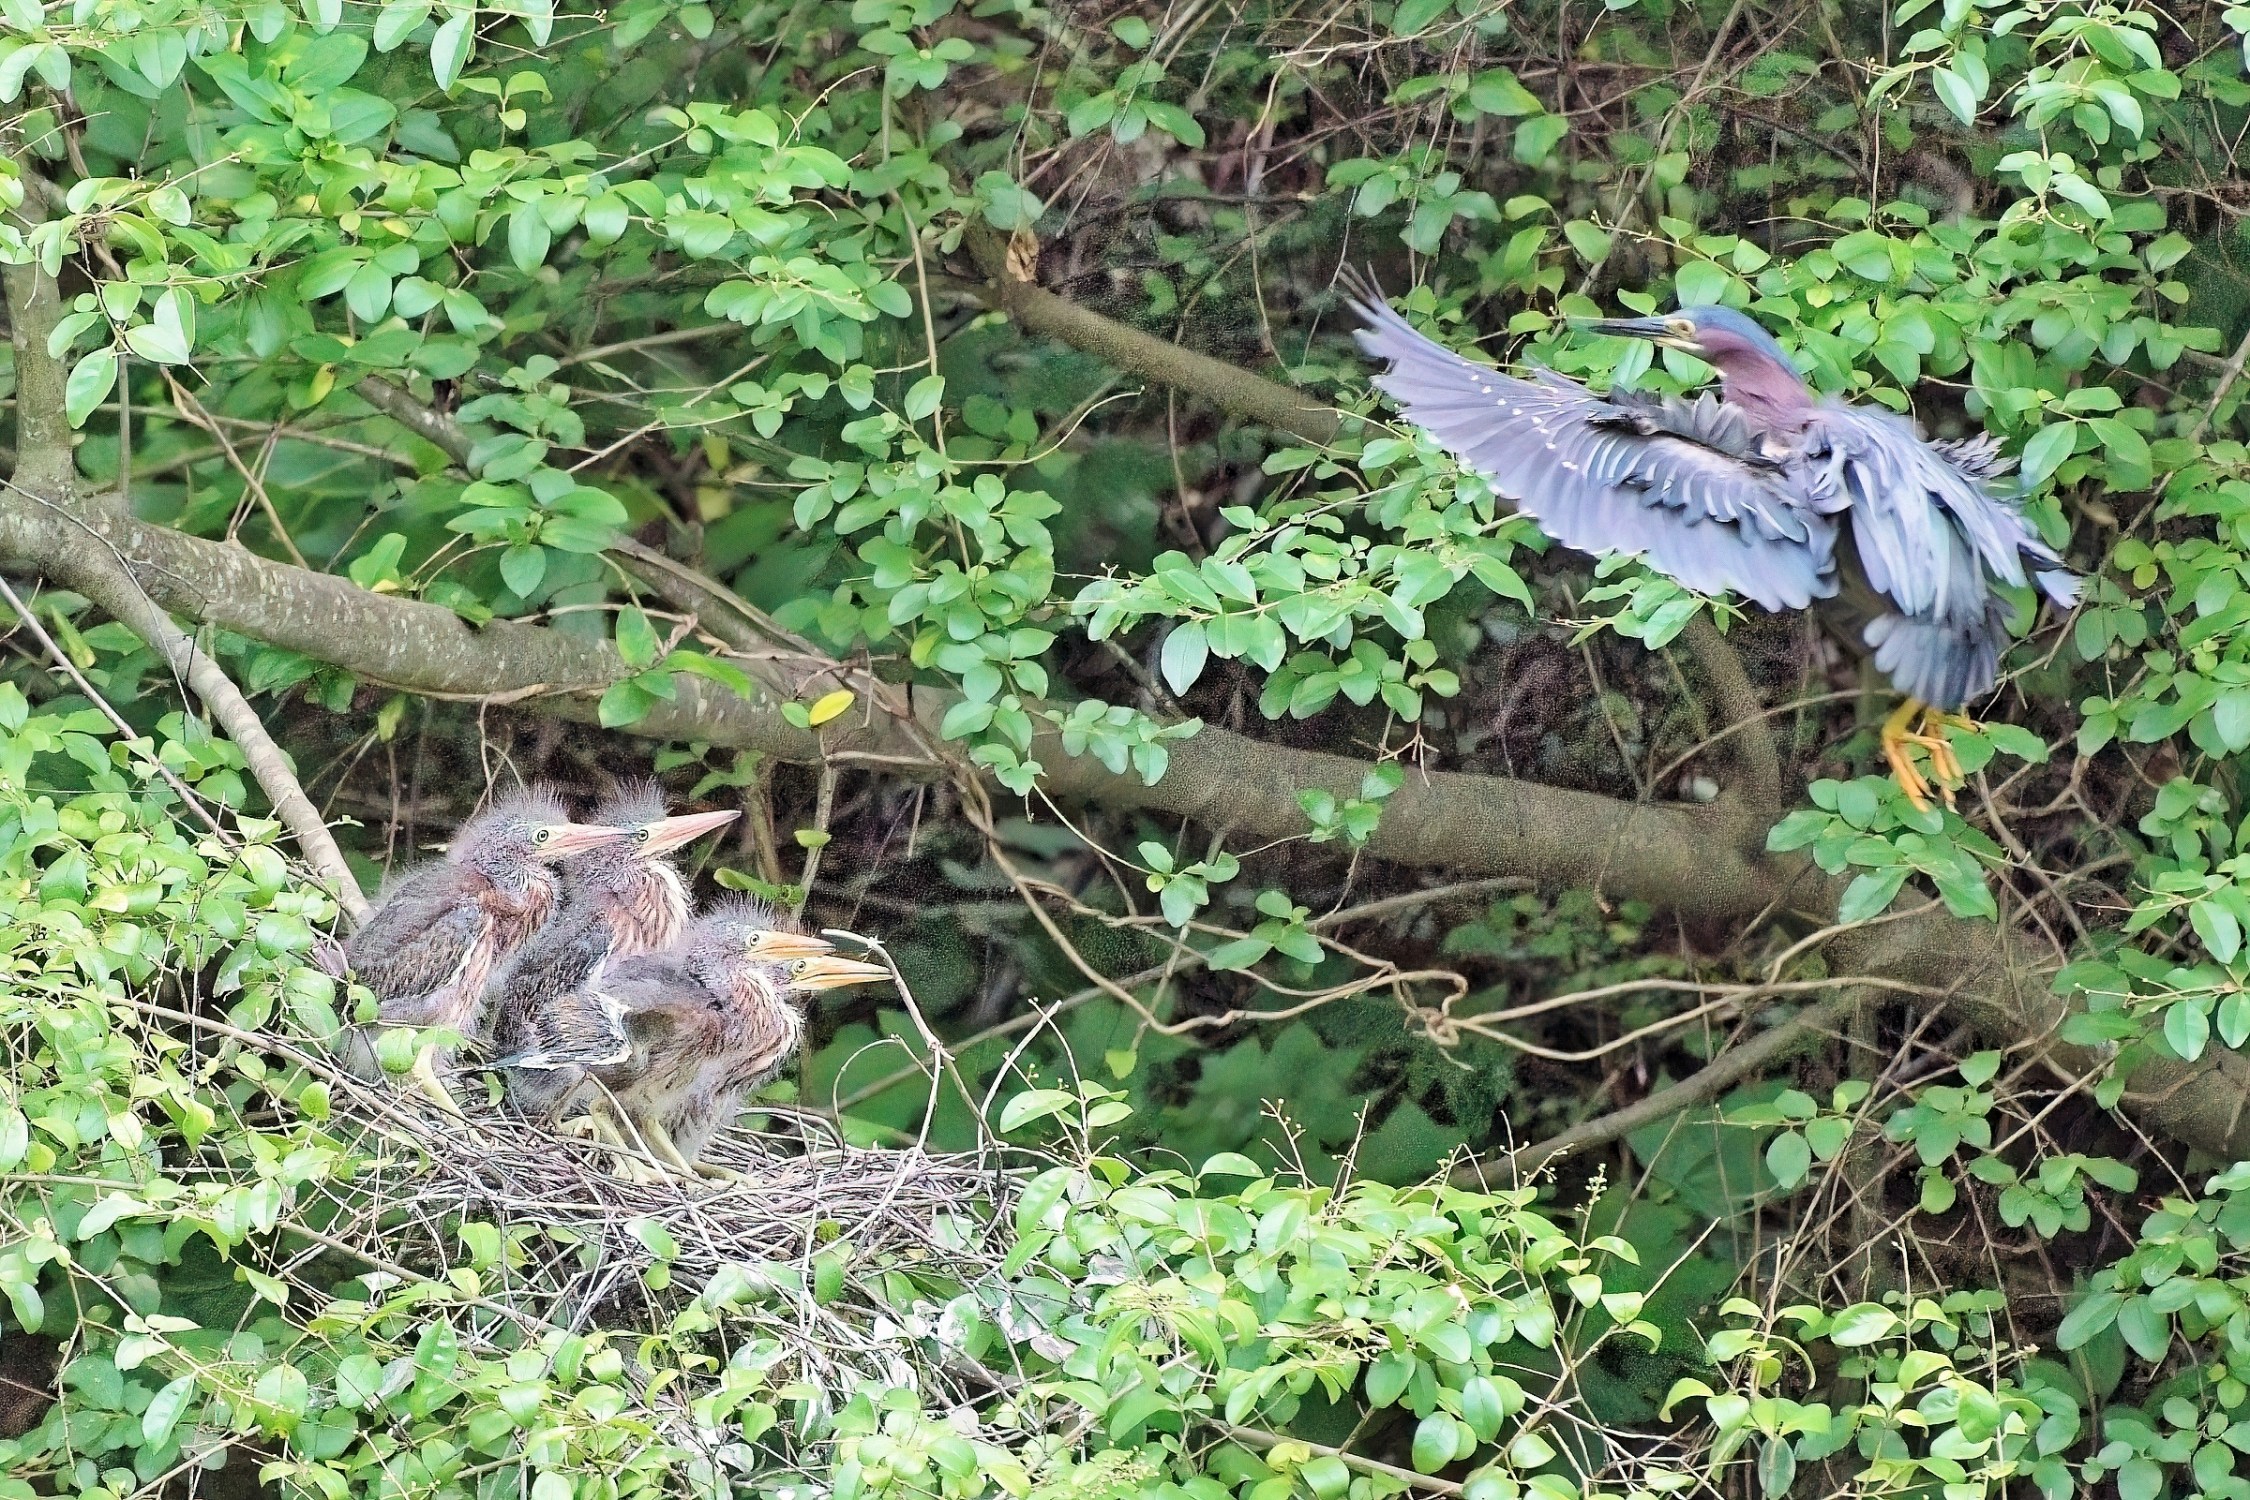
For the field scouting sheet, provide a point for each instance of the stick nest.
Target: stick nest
(791, 1249)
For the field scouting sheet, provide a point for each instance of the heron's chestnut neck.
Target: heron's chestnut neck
(1769, 394)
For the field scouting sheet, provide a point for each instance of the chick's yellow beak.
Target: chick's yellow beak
(828, 972)
(671, 833)
(781, 947)
(562, 840)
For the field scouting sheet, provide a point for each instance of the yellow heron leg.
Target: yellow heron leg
(1895, 740)
(423, 1075)
(660, 1139)
(1928, 732)
(634, 1158)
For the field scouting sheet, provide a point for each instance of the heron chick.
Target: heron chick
(710, 1020)
(443, 927)
(1751, 492)
(619, 900)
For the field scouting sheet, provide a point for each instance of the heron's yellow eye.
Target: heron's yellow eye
(1679, 328)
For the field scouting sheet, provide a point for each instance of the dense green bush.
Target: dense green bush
(807, 389)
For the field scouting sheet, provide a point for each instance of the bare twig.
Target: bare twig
(188, 798)
(1728, 1069)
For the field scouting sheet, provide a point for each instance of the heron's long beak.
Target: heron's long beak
(565, 839)
(1656, 330)
(781, 947)
(827, 972)
(671, 833)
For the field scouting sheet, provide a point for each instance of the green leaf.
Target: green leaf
(2015, 740)
(2147, 1330)
(397, 22)
(1033, 1104)
(91, 380)
(1239, 954)
(528, 238)
(1326, 1477)
(624, 703)
(1413, 16)
(1777, 1467)
(1174, 122)
(2187, 1029)
(2087, 1319)
(2230, 719)
(1434, 1442)
(1954, 93)
(1591, 243)
(637, 640)
(522, 567)
(164, 1411)
(450, 48)
(1185, 652)
(2046, 450)
(1789, 1158)
(1870, 894)
(1861, 1324)
(2218, 928)
(922, 401)
(1496, 92)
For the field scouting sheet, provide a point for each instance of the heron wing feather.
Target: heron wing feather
(1932, 537)
(417, 941)
(1601, 476)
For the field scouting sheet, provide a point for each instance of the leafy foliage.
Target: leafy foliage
(488, 307)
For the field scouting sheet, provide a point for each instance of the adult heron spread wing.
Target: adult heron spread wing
(1751, 492)
(1682, 483)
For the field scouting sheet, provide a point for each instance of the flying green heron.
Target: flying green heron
(444, 927)
(694, 1029)
(1750, 491)
(619, 900)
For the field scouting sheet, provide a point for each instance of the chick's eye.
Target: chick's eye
(641, 835)
(543, 835)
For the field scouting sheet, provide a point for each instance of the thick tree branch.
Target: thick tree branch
(1231, 389)
(1749, 738)
(43, 437)
(1671, 855)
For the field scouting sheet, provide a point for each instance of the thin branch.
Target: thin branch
(432, 427)
(61, 658)
(113, 590)
(2228, 375)
(1232, 389)
(1700, 1087)
(1252, 1437)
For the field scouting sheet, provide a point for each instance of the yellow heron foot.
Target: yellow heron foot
(631, 1161)
(1895, 740)
(1943, 762)
(1927, 733)
(423, 1075)
(660, 1140)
